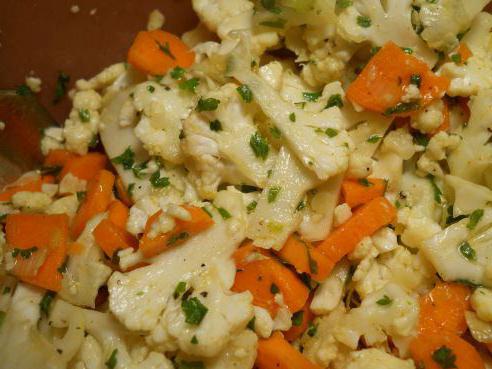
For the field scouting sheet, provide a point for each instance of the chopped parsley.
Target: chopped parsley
(53, 170)
(365, 182)
(407, 50)
(313, 265)
(271, 6)
(45, 304)
(274, 23)
(297, 318)
(189, 85)
(402, 108)
(474, 218)
(209, 104)
(224, 213)
(467, 251)
(273, 193)
(384, 301)
(251, 324)
(251, 206)
(61, 87)
(416, 79)
(259, 145)
(127, 159)
(177, 238)
(177, 73)
(113, 360)
(151, 89)
(84, 115)
(179, 290)
(374, 50)
(24, 253)
(274, 289)
(137, 169)
(244, 188)
(292, 117)
(194, 340)
(311, 96)
(23, 90)
(193, 310)
(81, 195)
(374, 138)
(204, 208)
(275, 132)
(159, 182)
(456, 58)
(363, 21)
(130, 189)
(454, 219)
(301, 205)
(165, 49)
(216, 125)
(420, 139)
(445, 357)
(312, 330)
(436, 189)
(245, 92)
(334, 100)
(343, 4)
(331, 132)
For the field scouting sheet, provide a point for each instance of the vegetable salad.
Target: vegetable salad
(293, 184)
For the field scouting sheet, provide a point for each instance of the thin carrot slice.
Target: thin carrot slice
(276, 353)
(364, 222)
(382, 83)
(97, 200)
(443, 309)
(306, 258)
(358, 192)
(443, 350)
(35, 233)
(156, 52)
(85, 167)
(58, 158)
(118, 214)
(111, 238)
(122, 192)
(300, 322)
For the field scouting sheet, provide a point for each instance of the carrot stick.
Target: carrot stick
(85, 167)
(112, 238)
(276, 353)
(156, 52)
(443, 350)
(35, 185)
(443, 309)
(58, 158)
(122, 192)
(183, 230)
(97, 200)
(356, 193)
(300, 322)
(364, 222)
(38, 233)
(382, 83)
(118, 214)
(306, 258)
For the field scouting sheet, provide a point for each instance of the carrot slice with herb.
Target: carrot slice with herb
(300, 322)
(111, 238)
(156, 52)
(443, 350)
(306, 258)
(39, 244)
(85, 167)
(99, 196)
(359, 192)
(276, 353)
(199, 221)
(381, 85)
(364, 222)
(443, 309)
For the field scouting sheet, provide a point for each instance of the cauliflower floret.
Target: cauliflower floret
(439, 145)
(156, 20)
(52, 139)
(263, 322)
(417, 227)
(272, 74)
(430, 118)
(412, 93)
(329, 293)
(34, 83)
(399, 142)
(65, 205)
(240, 353)
(31, 201)
(341, 214)
(481, 301)
(360, 166)
(480, 330)
(103, 79)
(376, 359)
(385, 240)
(370, 20)
(71, 184)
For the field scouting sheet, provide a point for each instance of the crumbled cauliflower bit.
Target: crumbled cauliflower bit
(411, 93)
(417, 227)
(341, 214)
(430, 118)
(31, 201)
(263, 322)
(481, 301)
(240, 353)
(360, 165)
(128, 114)
(103, 79)
(364, 249)
(272, 74)
(376, 359)
(178, 212)
(163, 224)
(50, 189)
(65, 205)
(156, 20)
(263, 41)
(437, 149)
(52, 139)
(330, 292)
(72, 184)
(399, 142)
(385, 240)
(283, 319)
(129, 257)
(34, 83)
(139, 213)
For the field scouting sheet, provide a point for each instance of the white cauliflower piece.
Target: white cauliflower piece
(52, 139)
(417, 227)
(481, 301)
(329, 293)
(468, 196)
(103, 79)
(70, 184)
(385, 240)
(272, 74)
(437, 150)
(341, 214)
(156, 20)
(31, 201)
(376, 359)
(430, 118)
(65, 205)
(240, 353)
(360, 166)
(480, 330)
(400, 142)
(263, 322)
(370, 20)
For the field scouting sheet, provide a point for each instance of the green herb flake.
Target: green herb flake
(474, 218)
(216, 125)
(312, 330)
(365, 182)
(84, 115)
(194, 340)
(301, 205)
(271, 6)
(61, 87)
(402, 108)
(151, 89)
(374, 139)
(274, 23)
(209, 104)
(311, 96)
(45, 304)
(178, 237)
(456, 58)
(297, 318)
(130, 189)
(94, 142)
(177, 73)
(259, 145)
(113, 360)
(445, 357)
(334, 100)
(363, 21)
(331, 132)
(292, 117)
(275, 132)
(384, 301)
(23, 90)
(193, 310)
(343, 4)
(300, 105)
(137, 169)
(251, 206)
(416, 79)
(224, 213)
(273, 193)
(245, 92)
(467, 251)
(420, 139)
(209, 213)
(159, 182)
(127, 159)
(436, 189)
(165, 48)
(189, 85)
(179, 290)
(374, 50)
(251, 324)
(274, 289)
(24, 253)
(407, 50)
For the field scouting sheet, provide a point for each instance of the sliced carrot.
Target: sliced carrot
(58, 158)
(364, 222)
(464, 52)
(356, 192)
(300, 322)
(45, 233)
(443, 350)
(122, 192)
(111, 238)
(306, 258)
(443, 309)
(242, 253)
(276, 353)
(382, 83)
(99, 196)
(34, 185)
(85, 167)
(200, 221)
(118, 214)
(156, 52)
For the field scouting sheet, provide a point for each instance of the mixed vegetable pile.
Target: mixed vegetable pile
(294, 184)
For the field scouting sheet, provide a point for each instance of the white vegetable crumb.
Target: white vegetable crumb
(2, 125)
(34, 83)
(74, 9)
(342, 213)
(93, 11)
(156, 20)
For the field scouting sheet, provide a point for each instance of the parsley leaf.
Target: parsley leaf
(363, 21)
(274, 23)
(224, 213)
(165, 49)
(193, 310)
(292, 117)
(259, 145)
(297, 318)
(273, 193)
(127, 159)
(113, 360)
(311, 96)
(159, 182)
(373, 138)
(271, 6)
(402, 108)
(189, 85)
(274, 289)
(467, 251)
(416, 79)
(179, 290)
(445, 357)
(436, 189)
(365, 182)
(177, 73)
(216, 125)
(209, 104)
(23, 90)
(251, 206)
(177, 238)
(475, 218)
(275, 132)
(334, 100)
(45, 304)
(84, 115)
(384, 301)
(245, 92)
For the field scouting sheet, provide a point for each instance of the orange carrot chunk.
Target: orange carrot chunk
(300, 322)
(112, 238)
(464, 53)
(443, 309)
(443, 350)
(58, 158)
(97, 200)
(276, 353)
(156, 52)
(118, 214)
(183, 229)
(359, 192)
(364, 222)
(382, 83)
(306, 258)
(85, 167)
(39, 244)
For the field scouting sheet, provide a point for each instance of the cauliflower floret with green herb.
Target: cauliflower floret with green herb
(370, 20)
(437, 150)
(417, 227)
(376, 359)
